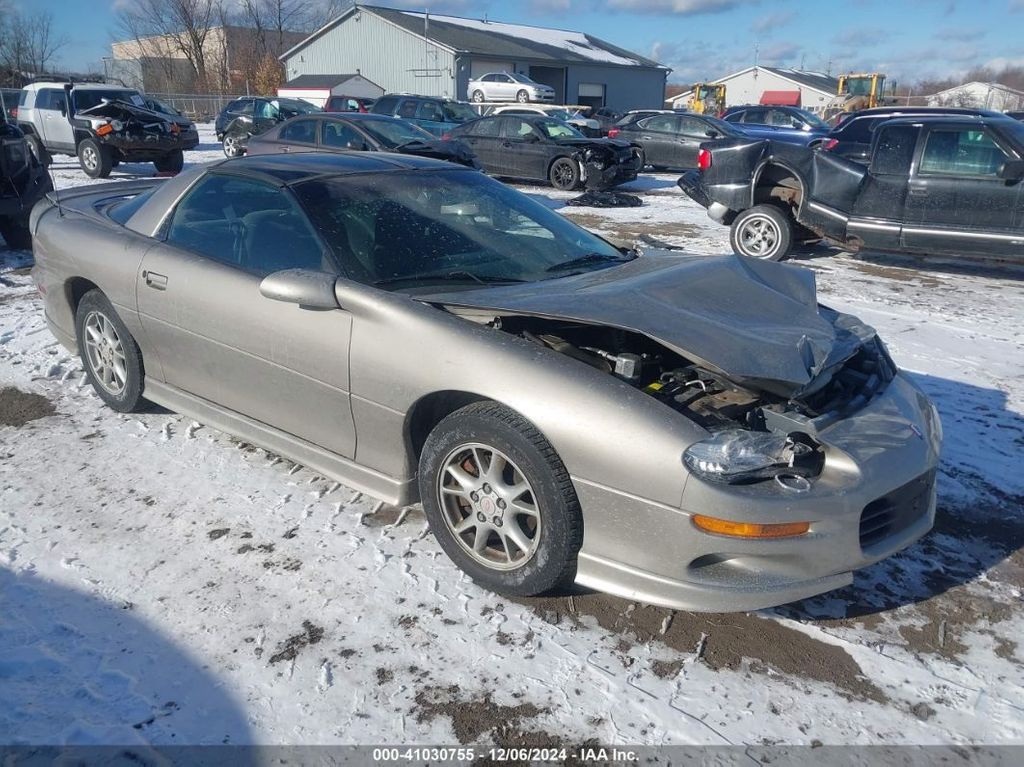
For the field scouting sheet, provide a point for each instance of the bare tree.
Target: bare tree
(172, 29)
(28, 41)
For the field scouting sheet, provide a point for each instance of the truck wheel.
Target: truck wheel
(500, 501)
(762, 231)
(172, 162)
(94, 158)
(564, 174)
(35, 146)
(16, 233)
(478, 96)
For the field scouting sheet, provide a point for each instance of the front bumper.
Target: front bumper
(542, 96)
(872, 458)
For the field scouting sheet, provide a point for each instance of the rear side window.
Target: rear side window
(247, 224)
(662, 123)
(300, 132)
(385, 106)
(485, 128)
(430, 111)
(859, 130)
(961, 153)
(407, 109)
(692, 126)
(894, 150)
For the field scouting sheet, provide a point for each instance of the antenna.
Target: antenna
(53, 183)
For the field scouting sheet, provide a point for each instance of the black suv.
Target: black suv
(851, 138)
(244, 118)
(23, 181)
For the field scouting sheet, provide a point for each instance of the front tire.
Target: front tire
(523, 97)
(564, 174)
(233, 146)
(95, 158)
(762, 231)
(500, 501)
(172, 162)
(112, 360)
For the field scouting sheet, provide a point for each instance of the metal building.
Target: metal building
(416, 52)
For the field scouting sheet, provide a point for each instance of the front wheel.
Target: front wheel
(478, 97)
(500, 501)
(523, 97)
(95, 158)
(564, 174)
(112, 360)
(172, 162)
(762, 231)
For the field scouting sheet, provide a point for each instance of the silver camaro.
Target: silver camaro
(694, 432)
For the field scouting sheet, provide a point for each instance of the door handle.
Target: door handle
(285, 149)
(154, 280)
(918, 192)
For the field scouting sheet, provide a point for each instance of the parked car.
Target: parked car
(852, 136)
(508, 86)
(672, 140)
(938, 185)
(357, 132)
(23, 181)
(102, 125)
(538, 148)
(585, 125)
(9, 98)
(424, 333)
(634, 116)
(244, 118)
(435, 115)
(1016, 115)
(606, 118)
(779, 123)
(348, 104)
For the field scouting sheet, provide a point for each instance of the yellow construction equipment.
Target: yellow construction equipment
(707, 98)
(857, 91)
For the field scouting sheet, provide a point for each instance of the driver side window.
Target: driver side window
(246, 224)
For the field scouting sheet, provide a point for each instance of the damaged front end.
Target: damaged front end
(135, 132)
(608, 163)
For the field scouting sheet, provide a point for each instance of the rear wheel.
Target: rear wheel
(564, 174)
(478, 96)
(172, 162)
(112, 360)
(500, 501)
(95, 158)
(762, 231)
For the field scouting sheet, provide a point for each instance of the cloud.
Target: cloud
(676, 7)
(771, 22)
(857, 36)
(961, 34)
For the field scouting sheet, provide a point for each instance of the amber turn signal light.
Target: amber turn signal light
(749, 529)
(103, 130)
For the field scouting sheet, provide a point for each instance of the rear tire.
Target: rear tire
(112, 360)
(35, 146)
(564, 174)
(522, 533)
(478, 96)
(763, 231)
(172, 162)
(95, 158)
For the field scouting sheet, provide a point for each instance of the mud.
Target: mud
(17, 407)
(293, 645)
(727, 641)
(473, 717)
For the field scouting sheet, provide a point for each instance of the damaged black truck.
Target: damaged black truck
(950, 186)
(103, 126)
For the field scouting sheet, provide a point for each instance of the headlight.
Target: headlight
(737, 456)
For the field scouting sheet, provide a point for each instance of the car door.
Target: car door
(956, 201)
(298, 136)
(657, 136)
(690, 133)
(53, 123)
(503, 87)
(484, 139)
(219, 339)
(877, 212)
(524, 152)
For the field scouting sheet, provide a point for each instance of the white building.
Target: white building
(810, 90)
(316, 89)
(975, 95)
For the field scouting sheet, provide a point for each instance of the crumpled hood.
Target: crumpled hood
(452, 150)
(756, 322)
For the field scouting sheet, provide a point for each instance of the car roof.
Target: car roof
(949, 119)
(78, 86)
(877, 111)
(296, 168)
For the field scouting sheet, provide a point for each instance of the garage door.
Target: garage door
(480, 68)
(592, 94)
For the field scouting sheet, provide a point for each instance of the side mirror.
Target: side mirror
(1012, 170)
(308, 288)
(712, 133)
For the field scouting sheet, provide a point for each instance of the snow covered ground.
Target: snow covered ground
(161, 582)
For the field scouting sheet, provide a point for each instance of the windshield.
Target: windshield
(812, 119)
(555, 129)
(394, 133)
(521, 78)
(454, 228)
(457, 112)
(858, 86)
(87, 99)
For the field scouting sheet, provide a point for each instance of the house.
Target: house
(435, 55)
(316, 89)
(810, 90)
(975, 95)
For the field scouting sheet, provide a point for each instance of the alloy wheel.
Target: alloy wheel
(89, 158)
(105, 353)
(489, 506)
(759, 237)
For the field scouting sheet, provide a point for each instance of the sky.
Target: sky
(704, 39)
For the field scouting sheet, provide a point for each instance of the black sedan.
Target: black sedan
(671, 141)
(539, 148)
(355, 132)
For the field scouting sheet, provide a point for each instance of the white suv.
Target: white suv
(102, 125)
(505, 86)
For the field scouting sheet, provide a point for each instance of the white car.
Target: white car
(568, 115)
(505, 86)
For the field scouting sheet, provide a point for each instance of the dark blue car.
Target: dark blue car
(789, 124)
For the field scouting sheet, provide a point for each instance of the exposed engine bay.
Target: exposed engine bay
(126, 126)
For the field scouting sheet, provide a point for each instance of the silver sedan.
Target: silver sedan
(695, 432)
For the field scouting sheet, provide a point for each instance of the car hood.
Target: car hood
(757, 323)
